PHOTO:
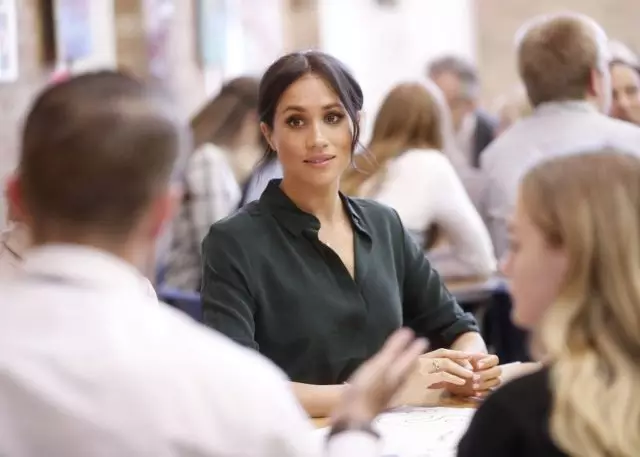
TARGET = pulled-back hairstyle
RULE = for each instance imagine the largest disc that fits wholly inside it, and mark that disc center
(291, 67)
(589, 205)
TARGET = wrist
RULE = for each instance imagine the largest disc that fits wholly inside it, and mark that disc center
(347, 424)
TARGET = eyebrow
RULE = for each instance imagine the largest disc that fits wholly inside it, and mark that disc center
(302, 109)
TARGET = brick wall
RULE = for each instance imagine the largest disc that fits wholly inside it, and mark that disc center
(498, 20)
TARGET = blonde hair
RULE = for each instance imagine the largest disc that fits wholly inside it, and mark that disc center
(589, 205)
(556, 55)
(410, 117)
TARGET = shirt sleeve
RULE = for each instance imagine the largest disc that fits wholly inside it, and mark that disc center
(492, 432)
(353, 443)
(227, 303)
(428, 307)
(212, 188)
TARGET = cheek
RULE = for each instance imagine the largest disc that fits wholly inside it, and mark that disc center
(534, 285)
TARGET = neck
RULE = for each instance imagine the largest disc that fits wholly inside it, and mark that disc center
(128, 250)
(324, 203)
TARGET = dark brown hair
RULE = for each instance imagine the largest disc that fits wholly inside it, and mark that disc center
(291, 67)
(95, 150)
(220, 121)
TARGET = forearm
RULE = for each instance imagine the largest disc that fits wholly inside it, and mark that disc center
(470, 342)
(318, 401)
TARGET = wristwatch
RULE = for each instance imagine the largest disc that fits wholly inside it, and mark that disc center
(346, 425)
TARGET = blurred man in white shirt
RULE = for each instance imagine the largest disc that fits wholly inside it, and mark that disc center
(563, 61)
(90, 364)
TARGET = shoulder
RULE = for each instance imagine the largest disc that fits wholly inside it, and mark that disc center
(245, 223)
(425, 159)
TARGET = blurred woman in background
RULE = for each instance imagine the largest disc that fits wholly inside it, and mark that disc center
(625, 81)
(227, 146)
(406, 169)
(574, 271)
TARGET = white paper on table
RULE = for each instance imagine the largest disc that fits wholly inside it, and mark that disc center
(421, 432)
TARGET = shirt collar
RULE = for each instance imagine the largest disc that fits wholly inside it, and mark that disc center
(565, 106)
(85, 267)
(297, 221)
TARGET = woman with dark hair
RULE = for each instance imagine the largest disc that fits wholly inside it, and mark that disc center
(227, 144)
(315, 280)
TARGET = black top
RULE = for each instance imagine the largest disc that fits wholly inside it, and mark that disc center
(514, 421)
(270, 284)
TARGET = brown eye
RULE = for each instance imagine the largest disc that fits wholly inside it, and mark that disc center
(334, 118)
(295, 122)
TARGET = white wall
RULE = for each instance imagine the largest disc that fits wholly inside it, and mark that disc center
(386, 45)
(254, 40)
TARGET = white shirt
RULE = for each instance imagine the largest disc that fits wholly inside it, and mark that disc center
(554, 129)
(13, 242)
(423, 187)
(213, 193)
(91, 366)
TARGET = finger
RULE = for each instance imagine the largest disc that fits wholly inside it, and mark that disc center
(448, 354)
(451, 367)
(404, 364)
(491, 373)
(487, 361)
(487, 385)
(443, 378)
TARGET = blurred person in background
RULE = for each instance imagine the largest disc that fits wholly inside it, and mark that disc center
(404, 167)
(563, 61)
(512, 107)
(574, 268)
(459, 82)
(625, 78)
(227, 145)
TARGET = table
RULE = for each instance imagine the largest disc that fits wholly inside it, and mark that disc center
(442, 398)
(475, 289)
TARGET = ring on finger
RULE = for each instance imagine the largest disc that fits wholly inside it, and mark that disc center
(436, 365)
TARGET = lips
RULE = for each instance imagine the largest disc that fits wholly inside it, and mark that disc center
(317, 160)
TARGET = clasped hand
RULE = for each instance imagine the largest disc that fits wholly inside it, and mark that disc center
(460, 373)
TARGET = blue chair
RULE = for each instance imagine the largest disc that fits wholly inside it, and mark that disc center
(186, 301)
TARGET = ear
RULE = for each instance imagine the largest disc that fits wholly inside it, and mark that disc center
(15, 199)
(267, 133)
(594, 83)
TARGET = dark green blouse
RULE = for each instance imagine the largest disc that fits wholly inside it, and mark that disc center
(270, 284)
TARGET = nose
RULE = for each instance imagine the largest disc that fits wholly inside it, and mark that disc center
(317, 139)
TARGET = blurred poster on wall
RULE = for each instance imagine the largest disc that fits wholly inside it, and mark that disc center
(8, 41)
(213, 25)
(73, 33)
(159, 15)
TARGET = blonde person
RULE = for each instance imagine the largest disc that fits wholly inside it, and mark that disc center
(574, 269)
(405, 168)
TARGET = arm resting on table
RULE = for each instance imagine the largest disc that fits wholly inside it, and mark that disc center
(318, 401)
